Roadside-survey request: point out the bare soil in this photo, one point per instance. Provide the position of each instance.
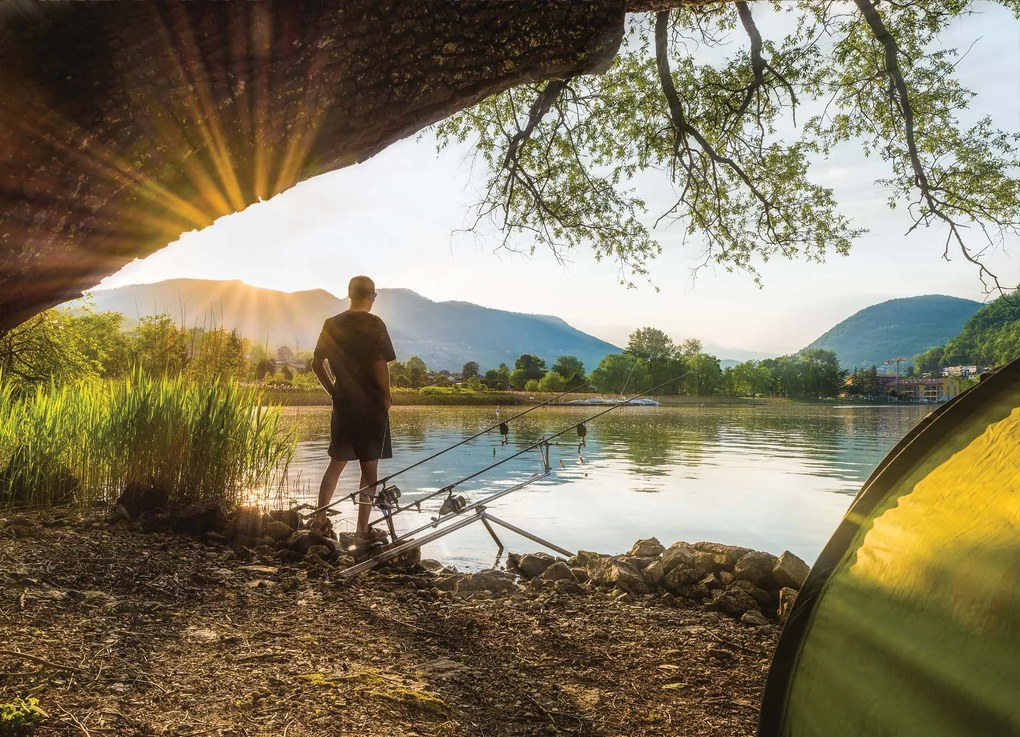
(117, 632)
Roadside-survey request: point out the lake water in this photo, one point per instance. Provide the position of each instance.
(772, 477)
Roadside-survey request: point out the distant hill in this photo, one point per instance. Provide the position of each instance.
(991, 337)
(445, 334)
(897, 328)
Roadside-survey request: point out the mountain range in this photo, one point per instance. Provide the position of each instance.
(448, 334)
(444, 334)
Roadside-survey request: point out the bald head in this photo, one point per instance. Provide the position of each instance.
(361, 290)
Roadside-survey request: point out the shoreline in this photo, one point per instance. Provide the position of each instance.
(158, 631)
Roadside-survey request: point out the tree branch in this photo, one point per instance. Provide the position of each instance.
(901, 96)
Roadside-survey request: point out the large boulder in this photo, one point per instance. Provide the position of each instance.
(289, 517)
(733, 602)
(723, 556)
(679, 553)
(558, 571)
(790, 570)
(532, 565)
(139, 499)
(247, 521)
(761, 596)
(756, 567)
(613, 573)
(279, 531)
(495, 582)
(654, 574)
(787, 597)
(649, 548)
(201, 517)
(679, 576)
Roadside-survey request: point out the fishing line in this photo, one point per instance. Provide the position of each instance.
(545, 441)
(499, 425)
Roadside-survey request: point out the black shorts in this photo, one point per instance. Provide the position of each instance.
(358, 433)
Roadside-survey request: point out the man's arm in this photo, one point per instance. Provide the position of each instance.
(323, 375)
(382, 375)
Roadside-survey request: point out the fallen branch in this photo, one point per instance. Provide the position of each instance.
(36, 659)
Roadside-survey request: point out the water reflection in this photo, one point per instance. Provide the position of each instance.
(772, 477)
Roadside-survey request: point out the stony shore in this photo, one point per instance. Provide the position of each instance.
(120, 630)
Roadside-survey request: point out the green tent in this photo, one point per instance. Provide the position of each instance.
(909, 623)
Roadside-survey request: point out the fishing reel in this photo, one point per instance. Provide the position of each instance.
(388, 498)
(453, 504)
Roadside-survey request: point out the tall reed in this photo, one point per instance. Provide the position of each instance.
(84, 443)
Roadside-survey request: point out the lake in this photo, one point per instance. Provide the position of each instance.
(773, 477)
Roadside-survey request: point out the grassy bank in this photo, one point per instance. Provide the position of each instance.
(83, 443)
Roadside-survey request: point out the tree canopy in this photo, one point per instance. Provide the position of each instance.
(734, 133)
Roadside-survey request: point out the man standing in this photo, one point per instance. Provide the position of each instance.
(356, 347)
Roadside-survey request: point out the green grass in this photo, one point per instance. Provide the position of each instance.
(83, 443)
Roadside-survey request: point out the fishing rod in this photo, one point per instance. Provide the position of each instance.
(405, 543)
(501, 426)
(448, 489)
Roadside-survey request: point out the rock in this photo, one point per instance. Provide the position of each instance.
(612, 573)
(635, 562)
(243, 542)
(733, 602)
(201, 517)
(570, 588)
(432, 565)
(494, 581)
(753, 618)
(289, 517)
(158, 521)
(650, 548)
(787, 597)
(319, 553)
(654, 574)
(710, 581)
(726, 577)
(580, 574)
(692, 592)
(141, 499)
(246, 521)
(533, 565)
(278, 531)
(756, 567)
(679, 553)
(583, 557)
(759, 595)
(558, 571)
(264, 551)
(262, 570)
(302, 540)
(724, 556)
(680, 575)
(790, 571)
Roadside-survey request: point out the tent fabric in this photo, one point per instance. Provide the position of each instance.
(909, 623)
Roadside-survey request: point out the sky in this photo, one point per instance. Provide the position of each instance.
(396, 218)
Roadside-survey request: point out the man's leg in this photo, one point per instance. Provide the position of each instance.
(327, 487)
(369, 475)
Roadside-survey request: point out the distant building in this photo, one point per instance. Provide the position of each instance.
(964, 372)
(940, 389)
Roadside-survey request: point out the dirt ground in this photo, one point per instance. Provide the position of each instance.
(118, 632)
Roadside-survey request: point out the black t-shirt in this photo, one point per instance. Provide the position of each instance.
(351, 342)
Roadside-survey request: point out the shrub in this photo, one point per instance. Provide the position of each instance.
(18, 715)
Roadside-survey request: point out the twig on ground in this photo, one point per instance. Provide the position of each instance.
(36, 659)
